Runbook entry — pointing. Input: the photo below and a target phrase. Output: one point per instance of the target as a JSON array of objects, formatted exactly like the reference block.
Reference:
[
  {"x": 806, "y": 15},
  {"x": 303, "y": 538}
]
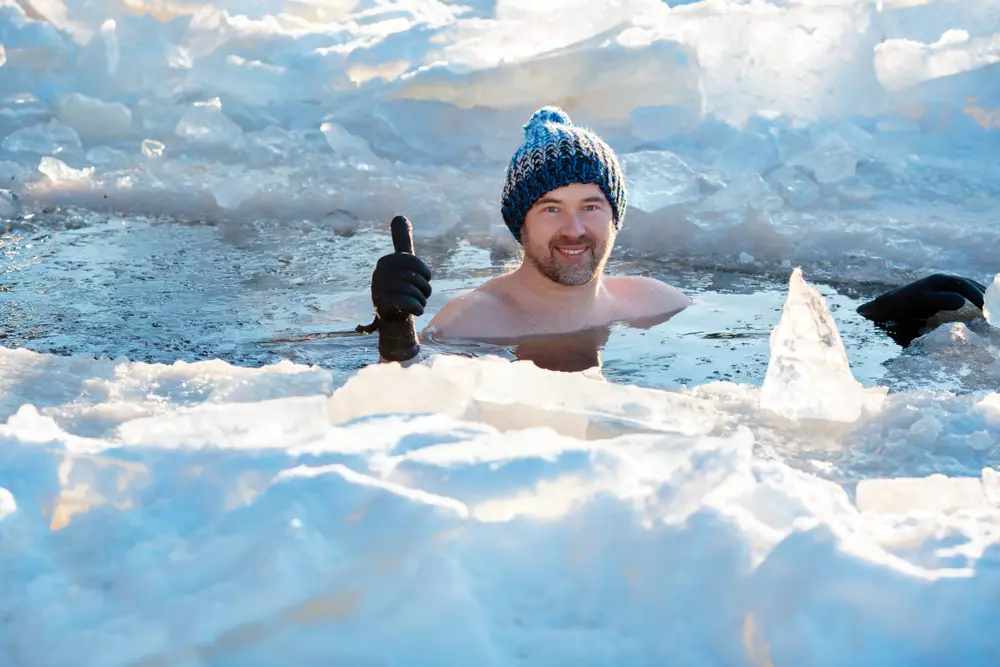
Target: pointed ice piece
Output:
[
  {"x": 991, "y": 309},
  {"x": 809, "y": 376}
]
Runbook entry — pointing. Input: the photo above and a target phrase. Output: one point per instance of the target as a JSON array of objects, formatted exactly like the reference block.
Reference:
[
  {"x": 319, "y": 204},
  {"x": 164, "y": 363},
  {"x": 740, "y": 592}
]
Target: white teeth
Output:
[{"x": 572, "y": 252}]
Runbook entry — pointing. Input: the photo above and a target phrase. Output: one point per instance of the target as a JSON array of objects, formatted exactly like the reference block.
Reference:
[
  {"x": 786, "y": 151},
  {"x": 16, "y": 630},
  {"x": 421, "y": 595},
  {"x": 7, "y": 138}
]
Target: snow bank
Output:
[
  {"x": 518, "y": 546},
  {"x": 772, "y": 129}
]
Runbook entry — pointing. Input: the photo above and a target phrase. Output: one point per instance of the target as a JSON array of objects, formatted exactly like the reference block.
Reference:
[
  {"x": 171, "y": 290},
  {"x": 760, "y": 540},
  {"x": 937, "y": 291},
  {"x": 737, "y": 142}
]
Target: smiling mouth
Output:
[{"x": 572, "y": 252}]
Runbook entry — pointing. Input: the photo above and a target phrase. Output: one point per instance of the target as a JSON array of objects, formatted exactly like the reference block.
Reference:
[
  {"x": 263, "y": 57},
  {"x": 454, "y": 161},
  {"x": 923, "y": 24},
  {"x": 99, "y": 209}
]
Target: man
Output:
[{"x": 564, "y": 200}]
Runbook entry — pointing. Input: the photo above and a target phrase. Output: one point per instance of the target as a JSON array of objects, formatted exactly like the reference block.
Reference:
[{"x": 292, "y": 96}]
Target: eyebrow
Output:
[{"x": 555, "y": 200}]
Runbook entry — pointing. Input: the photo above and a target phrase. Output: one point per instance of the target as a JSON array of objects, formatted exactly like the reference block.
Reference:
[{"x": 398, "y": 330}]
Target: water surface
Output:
[{"x": 161, "y": 290}]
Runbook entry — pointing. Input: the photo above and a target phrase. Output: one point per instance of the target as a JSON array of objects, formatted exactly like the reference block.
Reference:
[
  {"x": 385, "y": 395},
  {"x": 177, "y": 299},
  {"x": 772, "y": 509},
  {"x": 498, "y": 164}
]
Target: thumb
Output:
[{"x": 402, "y": 234}]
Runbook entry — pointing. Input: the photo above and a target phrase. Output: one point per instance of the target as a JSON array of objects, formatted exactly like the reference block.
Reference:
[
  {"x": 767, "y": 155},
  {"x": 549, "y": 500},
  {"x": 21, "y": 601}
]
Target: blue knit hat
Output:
[{"x": 556, "y": 153}]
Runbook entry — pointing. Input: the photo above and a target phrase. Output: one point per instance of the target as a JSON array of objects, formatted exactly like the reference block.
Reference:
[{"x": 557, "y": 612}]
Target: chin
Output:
[{"x": 575, "y": 280}]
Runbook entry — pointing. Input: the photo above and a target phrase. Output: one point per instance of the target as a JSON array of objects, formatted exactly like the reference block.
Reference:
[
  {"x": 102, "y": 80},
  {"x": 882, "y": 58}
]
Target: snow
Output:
[
  {"x": 587, "y": 523},
  {"x": 486, "y": 511}
]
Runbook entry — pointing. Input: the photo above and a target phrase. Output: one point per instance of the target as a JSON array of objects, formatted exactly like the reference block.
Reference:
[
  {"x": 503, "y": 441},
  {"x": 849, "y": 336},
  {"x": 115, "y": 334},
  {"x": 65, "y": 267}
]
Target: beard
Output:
[{"x": 567, "y": 271}]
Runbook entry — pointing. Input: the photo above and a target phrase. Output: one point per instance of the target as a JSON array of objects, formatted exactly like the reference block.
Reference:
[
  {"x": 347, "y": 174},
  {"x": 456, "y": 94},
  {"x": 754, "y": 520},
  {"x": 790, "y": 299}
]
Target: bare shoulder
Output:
[
  {"x": 478, "y": 314},
  {"x": 641, "y": 296}
]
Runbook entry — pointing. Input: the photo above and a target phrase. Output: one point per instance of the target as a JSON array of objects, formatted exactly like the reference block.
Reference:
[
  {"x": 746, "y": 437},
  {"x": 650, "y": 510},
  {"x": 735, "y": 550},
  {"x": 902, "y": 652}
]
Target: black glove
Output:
[
  {"x": 400, "y": 289},
  {"x": 908, "y": 311}
]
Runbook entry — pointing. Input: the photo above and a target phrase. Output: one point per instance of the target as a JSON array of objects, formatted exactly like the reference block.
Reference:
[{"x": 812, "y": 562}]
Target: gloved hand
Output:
[
  {"x": 911, "y": 310},
  {"x": 400, "y": 289},
  {"x": 400, "y": 286}
]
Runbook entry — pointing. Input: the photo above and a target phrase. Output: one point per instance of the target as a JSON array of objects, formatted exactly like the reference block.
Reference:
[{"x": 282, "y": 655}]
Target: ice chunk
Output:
[
  {"x": 795, "y": 187},
  {"x": 747, "y": 152},
  {"x": 936, "y": 493},
  {"x": 281, "y": 423},
  {"x": 743, "y": 190},
  {"x": 61, "y": 174},
  {"x": 659, "y": 178},
  {"x": 95, "y": 121},
  {"x": 991, "y": 305},
  {"x": 112, "y": 50},
  {"x": 21, "y": 115},
  {"x": 205, "y": 123},
  {"x": 152, "y": 148},
  {"x": 109, "y": 158},
  {"x": 231, "y": 192},
  {"x": 49, "y": 138},
  {"x": 272, "y": 144},
  {"x": 831, "y": 161},
  {"x": 809, "y": 376},
  {"x": 11, "y": 173},
  {"x": 855, "y": 192},
  {"x": 249, "y": 80},
  {"x": 790, "y": 143},
  {"x": 32, "y": 46},
  {"x": 859, "y": 140},
  {"x": 7, "y": 504},
  {"x": 347, "y": 146},
  {"x": 3, "y": 56},
  {"x": 483, "y": 389},
  {"x": 587, "y": 76},
  {"x": 10, "y": 204},
  {"x": 905, "y": 63},
  {"x": 663, "y": 122}
]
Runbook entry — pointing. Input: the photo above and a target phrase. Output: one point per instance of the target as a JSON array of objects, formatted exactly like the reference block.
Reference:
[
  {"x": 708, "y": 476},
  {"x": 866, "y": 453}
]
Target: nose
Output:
[{"x": 574, "y": 227}]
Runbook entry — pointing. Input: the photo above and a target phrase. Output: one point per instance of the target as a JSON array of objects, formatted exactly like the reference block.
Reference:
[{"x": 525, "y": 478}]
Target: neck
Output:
[{"x": 537, "y": 291}]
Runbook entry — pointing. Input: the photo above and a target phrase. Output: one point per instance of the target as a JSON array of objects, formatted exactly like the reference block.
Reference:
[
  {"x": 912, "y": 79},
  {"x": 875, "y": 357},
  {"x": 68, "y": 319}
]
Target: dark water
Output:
[{"x": 163, "y": 290}]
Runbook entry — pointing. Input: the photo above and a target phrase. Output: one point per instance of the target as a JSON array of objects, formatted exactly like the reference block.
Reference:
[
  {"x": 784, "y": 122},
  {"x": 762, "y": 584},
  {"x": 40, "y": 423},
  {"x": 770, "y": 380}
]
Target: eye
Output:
[{"x": 551, "y": 209}]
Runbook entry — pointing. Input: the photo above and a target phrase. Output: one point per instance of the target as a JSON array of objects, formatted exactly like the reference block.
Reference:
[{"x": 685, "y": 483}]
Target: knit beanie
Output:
[{"x": 556, "y": 153}]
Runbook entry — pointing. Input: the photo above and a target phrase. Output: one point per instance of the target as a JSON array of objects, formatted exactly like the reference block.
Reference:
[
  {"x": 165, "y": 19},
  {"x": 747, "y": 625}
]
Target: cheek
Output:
[
  {"x": 601, "y": 227},
  {"x": 538, "y": 231}
]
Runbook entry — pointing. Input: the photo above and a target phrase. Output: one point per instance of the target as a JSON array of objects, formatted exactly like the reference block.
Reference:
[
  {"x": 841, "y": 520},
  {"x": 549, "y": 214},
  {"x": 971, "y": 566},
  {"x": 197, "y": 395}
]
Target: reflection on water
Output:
[
  {"x": 162, "y": 290},
  {"x": 569, "y": 353}
]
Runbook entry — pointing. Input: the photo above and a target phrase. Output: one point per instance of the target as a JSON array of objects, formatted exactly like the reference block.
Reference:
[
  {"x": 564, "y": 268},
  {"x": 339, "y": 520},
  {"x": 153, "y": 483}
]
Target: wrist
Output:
[{"x": 397, "y": 340}]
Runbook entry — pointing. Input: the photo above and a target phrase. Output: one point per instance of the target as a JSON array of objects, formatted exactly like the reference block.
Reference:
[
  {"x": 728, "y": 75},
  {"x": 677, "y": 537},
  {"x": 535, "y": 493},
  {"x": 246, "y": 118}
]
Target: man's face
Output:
[{"x": 568, "y": 234}]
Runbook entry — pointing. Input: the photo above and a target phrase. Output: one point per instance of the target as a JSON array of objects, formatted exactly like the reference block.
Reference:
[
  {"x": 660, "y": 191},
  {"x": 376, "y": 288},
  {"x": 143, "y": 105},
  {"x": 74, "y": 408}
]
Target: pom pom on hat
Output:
[{"x": 546, "y": 115}]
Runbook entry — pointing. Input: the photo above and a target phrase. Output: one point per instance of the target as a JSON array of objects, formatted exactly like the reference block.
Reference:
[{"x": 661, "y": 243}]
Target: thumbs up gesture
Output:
[
  {"x": 401, "y": 285},
  {"x": 401, "y": 281}
]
